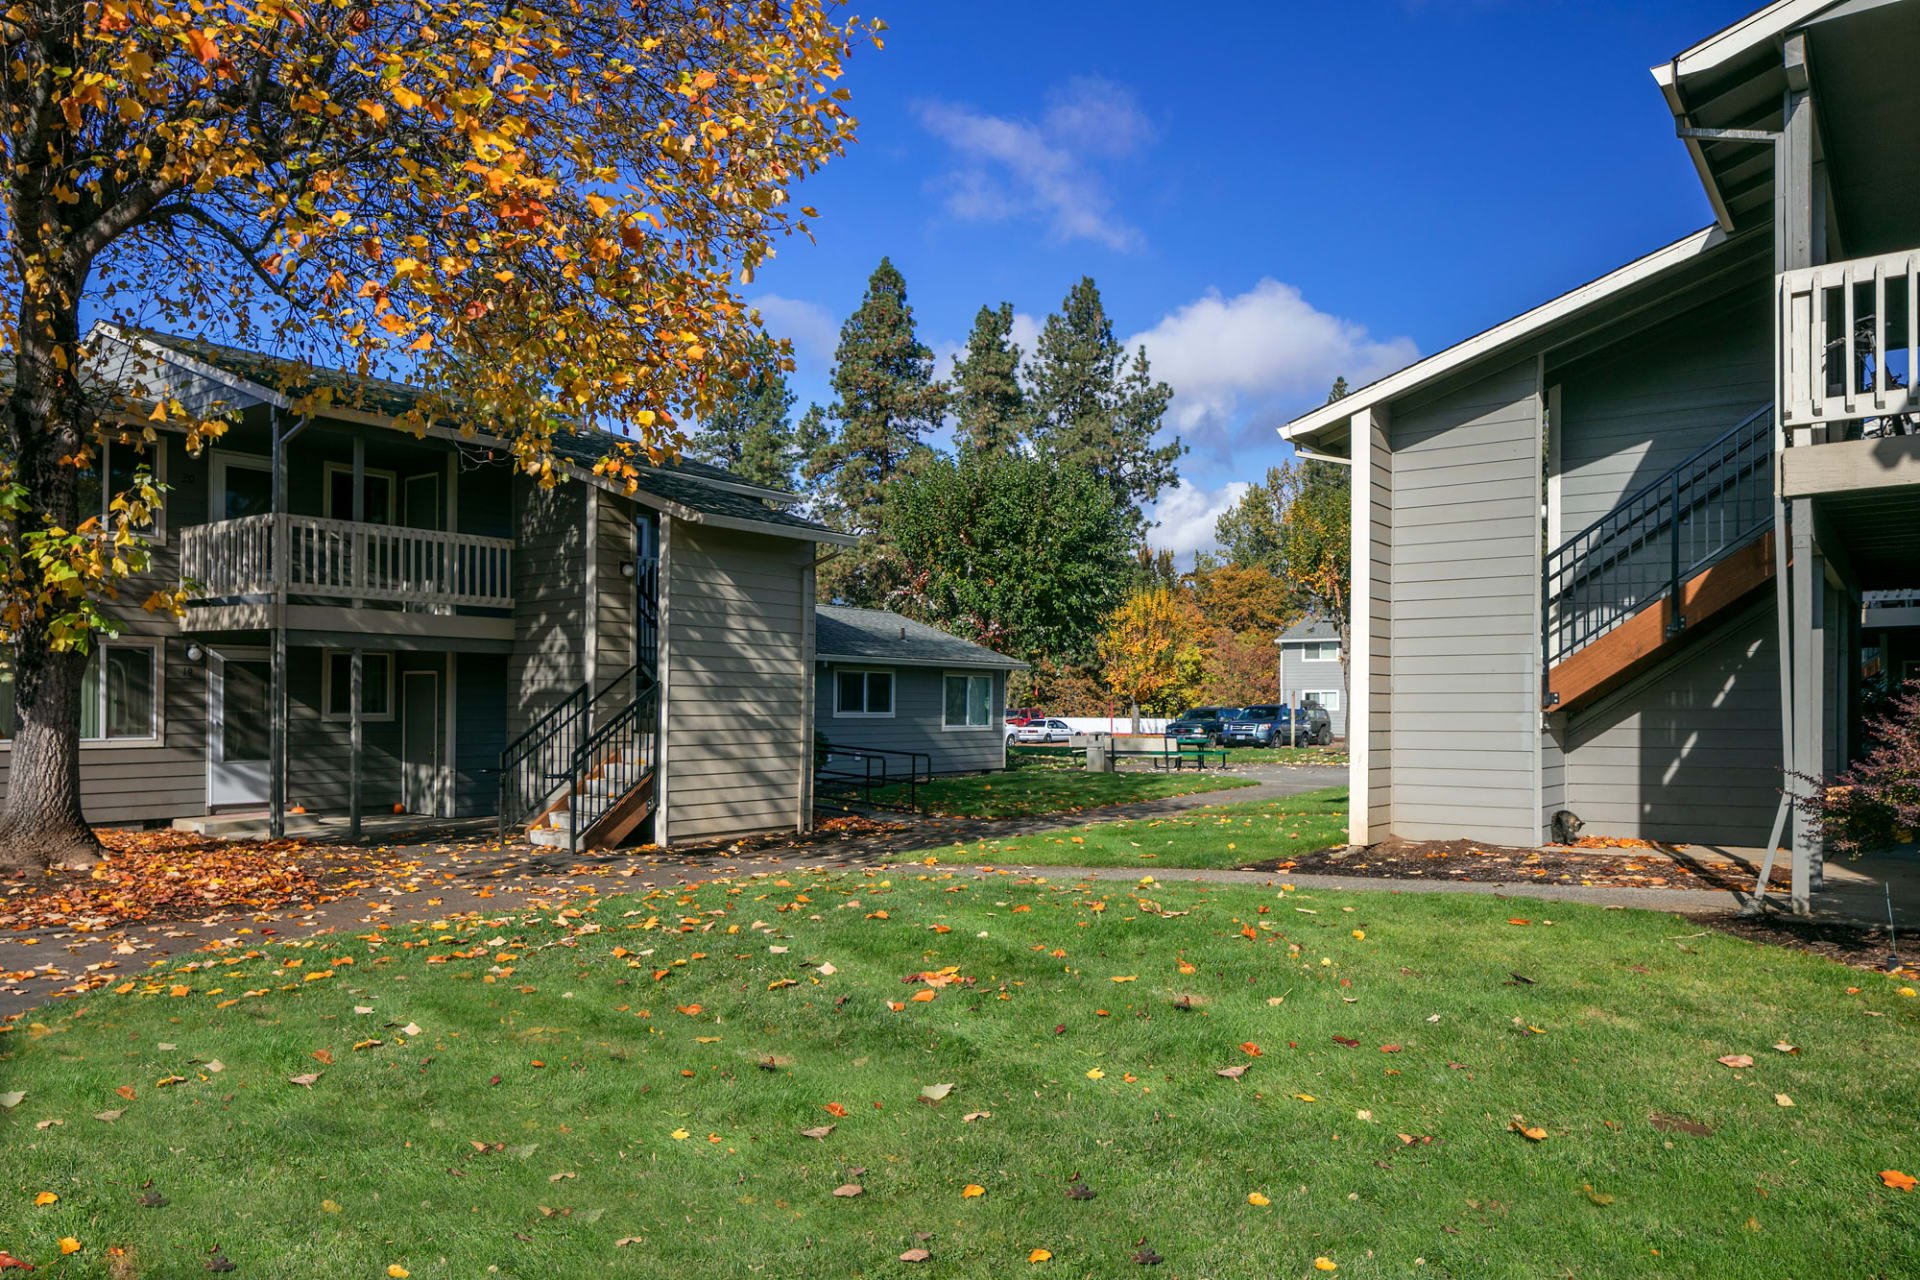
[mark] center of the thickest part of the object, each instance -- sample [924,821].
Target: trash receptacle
[1099,755]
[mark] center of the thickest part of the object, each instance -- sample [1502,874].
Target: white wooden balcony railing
[1848,343]
[338,558]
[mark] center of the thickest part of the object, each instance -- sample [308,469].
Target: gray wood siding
[919,696]
[1691,751]
[1377,441]
[736,717]
[1466,469]
[1631,412]
[125,784]
[480,731]
[549,589]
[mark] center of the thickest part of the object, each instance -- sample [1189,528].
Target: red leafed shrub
[1874,804]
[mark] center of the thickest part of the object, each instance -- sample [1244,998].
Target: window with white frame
[376,487]
[1327,700]
[116,464]
[968,702]
[863,693]
[1321,651]
[119,693]
[376,686]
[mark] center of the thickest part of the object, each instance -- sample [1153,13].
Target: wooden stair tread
[1636,644]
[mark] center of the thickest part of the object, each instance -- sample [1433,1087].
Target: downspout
[282,555]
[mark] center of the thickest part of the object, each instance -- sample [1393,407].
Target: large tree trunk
[41,824]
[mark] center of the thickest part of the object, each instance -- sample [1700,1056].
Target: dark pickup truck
[1201,722]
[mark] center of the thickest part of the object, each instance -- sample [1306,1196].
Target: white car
[1042,731]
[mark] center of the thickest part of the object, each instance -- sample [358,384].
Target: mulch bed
[1632,865]
[1860,946]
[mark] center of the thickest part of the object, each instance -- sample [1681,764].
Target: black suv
[1201,722]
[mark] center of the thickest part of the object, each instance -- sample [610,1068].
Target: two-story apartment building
[1609,554]
[384,621]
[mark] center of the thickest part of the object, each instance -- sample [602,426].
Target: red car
[1018,716]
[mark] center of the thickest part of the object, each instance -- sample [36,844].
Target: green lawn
[1215,835]
[1032,787]
[624,1092]
[1333,757]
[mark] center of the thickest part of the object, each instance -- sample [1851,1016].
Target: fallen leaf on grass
[126,1091]
[10,1263]
[1675,1124]
[1782,1100]
[167,1082]
[1078,1190]
[1095,1073]
[1257,1200]
[45,1198]
[323,1056]
[915,1255]
[69,1245]
[972,1191]
[1039,1255]
[1232,1073]
[1897,1180]
[817,1132]
[398,1272]
[971,1116]
[1532,1132]
[306,1081]
[836,1109]
[1784,1047]
[1146,1257]
[935,1092]
[1734,1060]
[1325,1264]
[1598,1197]
[846,1191]
[109,1116]
[8,1101]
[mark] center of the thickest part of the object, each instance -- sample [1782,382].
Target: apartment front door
[420,741]
[239,725]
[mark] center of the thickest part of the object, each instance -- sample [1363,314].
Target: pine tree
[988,400]
[1097,410]
[885,400]
[749,433]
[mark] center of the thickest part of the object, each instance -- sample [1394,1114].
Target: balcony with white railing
[233,562]
[1848,348]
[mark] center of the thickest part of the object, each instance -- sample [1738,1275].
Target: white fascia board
[1504,335]
[1741,38]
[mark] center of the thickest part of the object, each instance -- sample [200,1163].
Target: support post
[358,740]
[277,663]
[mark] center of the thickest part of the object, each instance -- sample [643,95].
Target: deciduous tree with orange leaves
[538,213]
[1151,655]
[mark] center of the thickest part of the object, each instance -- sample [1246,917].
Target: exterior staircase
[1624,592]
[582,776]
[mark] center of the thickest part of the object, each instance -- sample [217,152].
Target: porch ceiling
[1871,534]
[1868,103]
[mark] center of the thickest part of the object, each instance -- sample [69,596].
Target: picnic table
[1176,754]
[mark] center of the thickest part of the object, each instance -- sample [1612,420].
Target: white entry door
[420,741]
[239,726]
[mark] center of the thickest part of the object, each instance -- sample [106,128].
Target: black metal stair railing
[613,760]
[1712,503]
[537,764]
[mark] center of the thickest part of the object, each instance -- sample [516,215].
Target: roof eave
[998,662]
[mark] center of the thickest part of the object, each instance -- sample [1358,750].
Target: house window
[376,686]
[119,693]
[377,488]
[1321,651]
[119,462]
[969,702]
[863,693]
[1328,700]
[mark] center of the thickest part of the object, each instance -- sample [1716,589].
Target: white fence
[1115,724]
[343,559]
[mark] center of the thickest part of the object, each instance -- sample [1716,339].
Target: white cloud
[1014,168]
[1185,516]
[808,325]
[1247,360]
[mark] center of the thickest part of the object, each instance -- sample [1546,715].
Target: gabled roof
[1508,335]
[1308,630]
[705,491]
[844,634]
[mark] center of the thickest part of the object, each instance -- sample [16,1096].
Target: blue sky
[1269,194]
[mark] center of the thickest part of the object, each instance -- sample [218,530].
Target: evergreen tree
[1095,409]
[748,432]
[988,400]
[885,400]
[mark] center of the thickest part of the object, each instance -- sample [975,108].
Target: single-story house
[1310,670]
[891,685]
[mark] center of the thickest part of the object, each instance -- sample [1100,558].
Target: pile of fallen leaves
[163,875]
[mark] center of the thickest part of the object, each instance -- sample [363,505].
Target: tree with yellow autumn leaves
[539,214]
